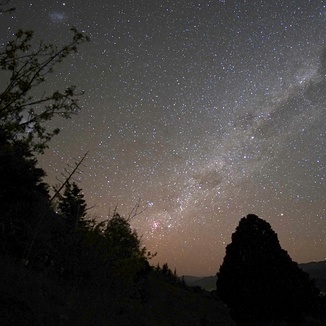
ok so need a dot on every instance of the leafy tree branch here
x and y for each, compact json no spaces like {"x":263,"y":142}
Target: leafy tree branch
{"x":22,"y":113}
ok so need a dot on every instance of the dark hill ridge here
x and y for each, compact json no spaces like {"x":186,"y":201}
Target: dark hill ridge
{"x":207,"y":283}
{"x":316,"y":270}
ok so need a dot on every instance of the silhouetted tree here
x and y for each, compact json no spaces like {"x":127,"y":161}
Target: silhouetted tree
{"x":23,"y":195}
{"x":259,"y":281}
{"x":22,"y":114}
{"x":167,"y":275}
{"x":24,"y":110}
{"x":122,"y":240}
{"x":126,"y":258}
{"x":72,"y":206}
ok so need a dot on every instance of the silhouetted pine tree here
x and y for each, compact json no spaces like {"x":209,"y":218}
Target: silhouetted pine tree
{"x":259,"y":281}
{"x":72,"y":206}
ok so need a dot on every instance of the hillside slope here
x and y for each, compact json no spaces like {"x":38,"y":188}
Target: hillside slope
{"x":33,"y":298}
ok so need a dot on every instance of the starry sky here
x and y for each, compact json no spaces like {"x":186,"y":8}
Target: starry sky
{"x":205,"y":111}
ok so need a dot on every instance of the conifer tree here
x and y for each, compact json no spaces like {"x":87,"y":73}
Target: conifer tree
{"x":72,"y":206}
{"x":23,"y":195}
{"x":259,"y":281}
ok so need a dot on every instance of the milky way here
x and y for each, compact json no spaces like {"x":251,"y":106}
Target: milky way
{"x":204,"y":110}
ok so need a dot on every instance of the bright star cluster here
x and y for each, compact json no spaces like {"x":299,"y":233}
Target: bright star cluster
{"x":204,"y":111}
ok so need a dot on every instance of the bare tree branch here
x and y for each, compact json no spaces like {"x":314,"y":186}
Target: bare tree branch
{"x":70,"y":175}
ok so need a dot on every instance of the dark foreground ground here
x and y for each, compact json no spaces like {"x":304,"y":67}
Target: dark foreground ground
{"x":33,"y":298}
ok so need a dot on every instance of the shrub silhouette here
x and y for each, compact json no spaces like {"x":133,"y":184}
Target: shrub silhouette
{"x":259,"y":281}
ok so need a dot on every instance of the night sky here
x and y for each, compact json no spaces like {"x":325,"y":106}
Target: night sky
{"x":206,"y":111}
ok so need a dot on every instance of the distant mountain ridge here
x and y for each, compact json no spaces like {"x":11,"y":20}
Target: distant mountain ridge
{"x":316,"y":270}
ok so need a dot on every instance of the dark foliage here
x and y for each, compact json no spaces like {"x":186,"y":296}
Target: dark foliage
{"x":166,"y":274}
{"x":259,"y":281}
{"x":122,"y":240}
{"x":72,"y":206}
{"x":23,"y":195}
{"x":22,"y":114}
